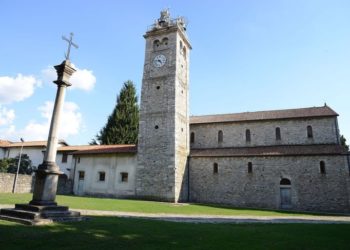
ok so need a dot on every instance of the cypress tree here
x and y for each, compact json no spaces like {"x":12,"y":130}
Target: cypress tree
{"x":122,"y":125}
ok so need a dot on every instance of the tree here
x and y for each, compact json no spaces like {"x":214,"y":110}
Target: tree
{"x":343,"y":142}
{"x":5,"y":163}
{"x":122,"y":125}
{"x":9,"y":165}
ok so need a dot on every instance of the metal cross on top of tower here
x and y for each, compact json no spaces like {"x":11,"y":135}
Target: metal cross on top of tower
{"x":70,"y":43}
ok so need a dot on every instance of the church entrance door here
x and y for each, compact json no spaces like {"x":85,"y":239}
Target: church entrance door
{"x":80,"y":190}
{"x":285,"y":197}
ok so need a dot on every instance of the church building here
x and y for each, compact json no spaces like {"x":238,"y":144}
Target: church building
{"x":281,"y":159}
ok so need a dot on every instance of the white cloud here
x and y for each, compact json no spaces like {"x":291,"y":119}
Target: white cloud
{"x":82,"y":79}
{"x":6,"y":116}
{"x":16,"y":89}
{"x":71,"y":123}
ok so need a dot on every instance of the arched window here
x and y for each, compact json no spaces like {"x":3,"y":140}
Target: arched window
{"x":322,"y":167}
{"x":220,"y":136}
{"x":192,"y":137}
{"x":309,"y":132}
{"x":250,"y":167}
{"x":215,"y":168}
{"x":247,"y":135}
{"x":165,"y":41}
{"x":156,"y":44}
{"x":285,"y":181}
{"x":278,"y":134}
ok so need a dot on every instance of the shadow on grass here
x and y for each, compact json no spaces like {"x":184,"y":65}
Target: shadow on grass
{"x":126,"y":233}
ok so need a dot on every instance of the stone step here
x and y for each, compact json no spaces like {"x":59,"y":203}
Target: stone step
{"x":35,"y":208}
{"x":57,"y":214}
{"x":26,"y":221}
{"x":22,"y":214}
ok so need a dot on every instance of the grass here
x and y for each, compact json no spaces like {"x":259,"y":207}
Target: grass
{"x":122,"y":233}
{"x":105,"y":204}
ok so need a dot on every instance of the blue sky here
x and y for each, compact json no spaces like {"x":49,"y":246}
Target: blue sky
{"x":247,"y":56}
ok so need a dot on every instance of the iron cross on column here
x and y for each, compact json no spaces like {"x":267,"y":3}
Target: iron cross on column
{"x":70,"y":43}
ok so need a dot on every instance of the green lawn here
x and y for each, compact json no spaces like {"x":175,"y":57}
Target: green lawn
{"x":141,"y":206}
{"x":121,"y":233}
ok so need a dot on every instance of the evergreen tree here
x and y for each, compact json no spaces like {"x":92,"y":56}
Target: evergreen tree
{"x":25,"y":166}
{"x":122,"y":125}
{"x":343,"y":142}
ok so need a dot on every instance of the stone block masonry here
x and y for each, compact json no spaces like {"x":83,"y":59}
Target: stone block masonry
{"x":24,"y":183}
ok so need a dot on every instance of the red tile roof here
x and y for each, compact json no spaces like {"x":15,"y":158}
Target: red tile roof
{"x":30,"y":144}
{"x":4,"y":143}
{"x":283,"y":150}
{"x":77,"y":147}
{"x":108,"y":149}
{"x":323,"y":111}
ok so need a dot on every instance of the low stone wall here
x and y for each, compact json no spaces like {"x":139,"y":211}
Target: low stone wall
{"x":24,"y":183}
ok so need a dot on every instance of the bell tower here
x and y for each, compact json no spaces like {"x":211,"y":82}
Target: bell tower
{"x":163,"y":142}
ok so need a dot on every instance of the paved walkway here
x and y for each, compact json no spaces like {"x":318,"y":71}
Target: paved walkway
{"x":325,"y":219}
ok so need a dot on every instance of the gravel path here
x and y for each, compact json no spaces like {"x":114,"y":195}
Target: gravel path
{"x":325,"y":219}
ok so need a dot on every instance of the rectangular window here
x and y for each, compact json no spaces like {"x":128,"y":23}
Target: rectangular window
{"x":78,"y":160}
{"x":64,"y":157}
{"x":101,"y":176}
{"x":124,"y":177}
{"x":81,"y":175}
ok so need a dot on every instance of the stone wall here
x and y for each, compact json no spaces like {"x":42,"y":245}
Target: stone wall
{"x":24,"y":183}
{"x":310,"y":189}
{"x":293,"y":131}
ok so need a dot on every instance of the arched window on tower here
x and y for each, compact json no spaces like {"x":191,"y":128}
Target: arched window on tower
{"x":309,"y":132}
{"x":156,"y":44}
{"x":322,"y":167}
{"x":165,"y":41}
{"x":285,"y":181}
{"x":192,"y":137}
{"x":220,"y":136}
{"x":247,"y":135}
{"x":278,"y":134}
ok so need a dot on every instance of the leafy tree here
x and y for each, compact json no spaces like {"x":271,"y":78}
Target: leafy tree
{"x":343,"y":142}
{"x":122,"y":125}
{"x":25,"y":165}
{"x":5,"y":163}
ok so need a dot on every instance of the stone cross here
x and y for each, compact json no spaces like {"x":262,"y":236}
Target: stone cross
{"x":70,"y":43}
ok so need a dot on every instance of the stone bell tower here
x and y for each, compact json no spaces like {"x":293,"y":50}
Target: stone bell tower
{"x":163,"y":145}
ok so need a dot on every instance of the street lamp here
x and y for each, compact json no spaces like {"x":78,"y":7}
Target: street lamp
{"x":19,"y":163}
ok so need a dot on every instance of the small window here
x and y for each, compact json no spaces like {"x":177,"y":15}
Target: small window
{"x":64,"y":157}
{"x":247,"y":135}
{"x":309,"y":132}
{"x":101,"y":176}
{"x":78,"y":159}
{"x":250,"y":168}
{"x":220,"y":136}
{"x":181,"y":45}
{"x":192,"y":137}
{"x":215,"y":168}
{"x":184,"y":51}
{"x":278,"y":134}
{"x":285,"y":181}
{"x":124,"y":177}
{"x":81,"y":175}
{"x":322,"y":167}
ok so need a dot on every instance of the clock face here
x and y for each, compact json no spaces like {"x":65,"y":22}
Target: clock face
{"x":159,"y":61}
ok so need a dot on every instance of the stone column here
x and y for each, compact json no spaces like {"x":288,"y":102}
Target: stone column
{"x":46,"y":177}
